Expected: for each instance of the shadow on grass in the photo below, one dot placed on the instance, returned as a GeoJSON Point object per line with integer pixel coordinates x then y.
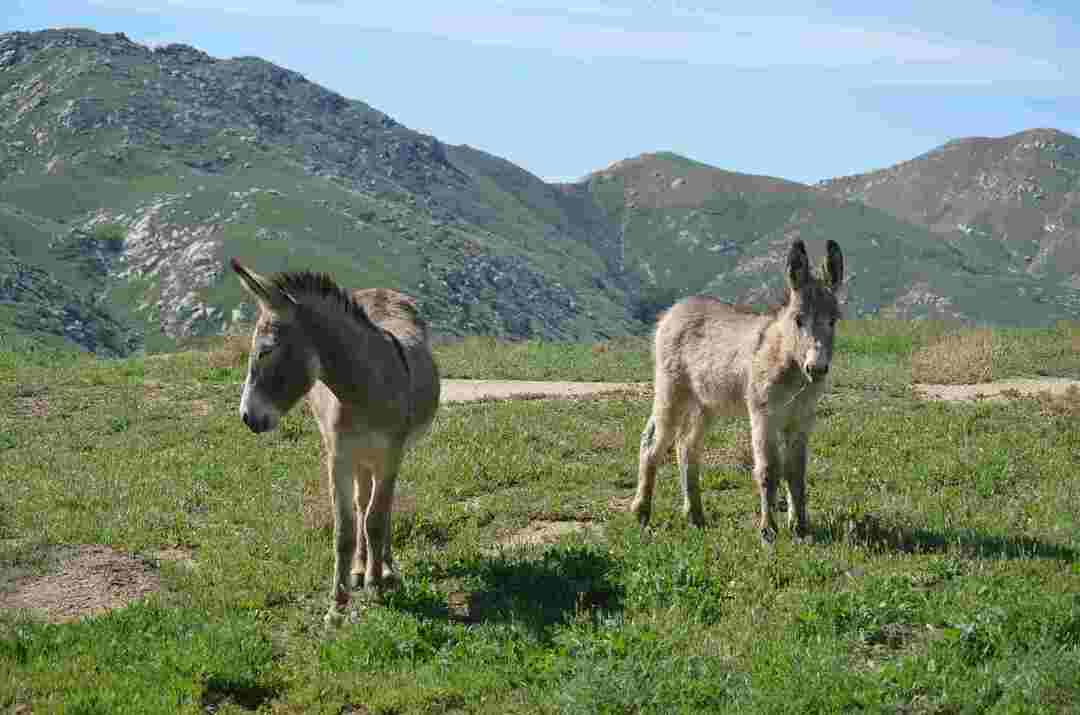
{"type": "Point", "coordinates": [875, 534]}
{"type": "Point", "coordinates": [522, 586]}
{"type": "Point", "coordinates": [245, 694]}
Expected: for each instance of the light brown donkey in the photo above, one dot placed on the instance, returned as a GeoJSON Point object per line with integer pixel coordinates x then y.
{"type": "Point", "coordinates": [364, 361]}
{"type": "Point", "coordinates": [713, 358]}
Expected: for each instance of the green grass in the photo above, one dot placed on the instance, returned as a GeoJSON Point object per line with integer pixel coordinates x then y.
{"type": "Point", "coordinates": [620, 360]}
{"type": "Point", "coordinates": [943, 578]}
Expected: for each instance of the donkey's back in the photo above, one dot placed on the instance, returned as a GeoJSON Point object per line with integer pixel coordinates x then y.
{"type": "Point", "coordinates": [397, 314]}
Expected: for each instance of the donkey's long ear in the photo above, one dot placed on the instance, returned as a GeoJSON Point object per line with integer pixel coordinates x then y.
{"type": "Point", "coordinates": [270, 297]}
{"type": "Point", "coordinates": [798, 266]}
{"type": "Point", "coordinates": [834, 264]}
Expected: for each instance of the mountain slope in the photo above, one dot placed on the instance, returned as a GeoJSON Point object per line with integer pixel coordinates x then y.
{"type": "Point", "coordinates": [687, 227]}
{"type": "Point", "coordinates": [129, 175]}
{"type": "Point", "coordinates": [1014, 200]}
{"type": "Point", "coordinates": [191, 159]}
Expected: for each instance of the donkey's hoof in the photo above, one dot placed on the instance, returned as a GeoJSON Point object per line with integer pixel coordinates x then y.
{"type": "Point", "coordinates": [334, 617]}
{"type": "Point", "coordinates": [356, 581]}
{"type": "Point", "coordinates": [390, 581]}
{"type": "Point", "coordinates": [642, 511]}
{"type": "Point", "coordinates": [695, 518]}
{"type": "Point", "coordinates": [768, 538]}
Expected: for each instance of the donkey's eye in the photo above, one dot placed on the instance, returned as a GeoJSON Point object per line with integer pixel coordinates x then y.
{"type": "Point", "coordinates": [798, 321]}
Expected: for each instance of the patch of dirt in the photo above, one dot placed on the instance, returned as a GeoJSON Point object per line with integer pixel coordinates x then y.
{"type": "Point", "coordinates": [175, 555]}
{"type": "Point", "coordinates": [999, 390]}
{"type": "Point", "coordinates": [479, 390]}
{"type": "Point", "coordinates": [32, 406]}
{"type": "Point", "coordinates": [91, 580]}
{"type": "Point", "coordinates": [542, 531]}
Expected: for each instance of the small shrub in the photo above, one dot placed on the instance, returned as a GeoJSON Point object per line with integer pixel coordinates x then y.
{"type": "Point", "coordinates": [956, 359]}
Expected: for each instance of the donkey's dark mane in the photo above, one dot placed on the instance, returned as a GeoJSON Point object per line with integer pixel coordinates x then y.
{"type": "Point", "coordinates": [320, 285]}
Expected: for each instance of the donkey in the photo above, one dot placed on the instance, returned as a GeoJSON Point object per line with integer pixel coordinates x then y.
{"type": "Point", "coordinates": [713, 358]}
{"type": "Point", "coordinates": [364, 361]}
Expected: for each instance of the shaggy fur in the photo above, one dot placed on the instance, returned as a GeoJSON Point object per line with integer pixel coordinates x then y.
{"type": "Point", "coordinates": [714, 358]}
{"type": "Point", "coordinates": [364, 361]}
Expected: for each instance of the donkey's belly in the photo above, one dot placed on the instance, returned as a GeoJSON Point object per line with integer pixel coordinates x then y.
{"type": "Point", "coordinates": [722, 396]}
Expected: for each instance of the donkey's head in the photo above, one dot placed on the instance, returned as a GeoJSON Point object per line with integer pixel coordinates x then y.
{"type": "Point", "coordinates": [811, 310]}
{"type": "Point", "coordinates": [283, 364]}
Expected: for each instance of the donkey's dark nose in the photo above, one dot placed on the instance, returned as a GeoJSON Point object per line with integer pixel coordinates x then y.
{"type": "Point", "coordinates": [817, 372]}
{"type": "Point", "coordinates": [255, 425]}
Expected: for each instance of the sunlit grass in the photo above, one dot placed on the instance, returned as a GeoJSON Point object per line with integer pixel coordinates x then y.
{"type": "Point", "coordinates": [943, 576]}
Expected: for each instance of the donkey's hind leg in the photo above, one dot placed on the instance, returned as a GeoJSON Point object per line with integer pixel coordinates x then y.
{"type": "Point", "coordinates": [656, 440]}
{"type": "Point", "coordinates": [688, 451]}
{"type": "Point", "coordinates": [364, 477]}
{"type": "Point", "coordinates": [377, 522]}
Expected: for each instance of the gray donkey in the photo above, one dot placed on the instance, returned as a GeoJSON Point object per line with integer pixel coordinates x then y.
{"type": "Point", "coordinates": [364, 361]}
{"type": "Point", "coordinates": [714, 358]}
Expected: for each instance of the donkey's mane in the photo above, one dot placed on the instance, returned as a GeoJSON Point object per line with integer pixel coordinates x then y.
{"type": "Point", "coordinates": [302, 284]}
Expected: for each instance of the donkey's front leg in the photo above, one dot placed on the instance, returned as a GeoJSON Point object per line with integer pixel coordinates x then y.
{"type": "Point", "coordinates": [795, 476]}
{"type": "Point", "coordinates": [767, 469]}
{"type": "Point", "coordinates": [342, 466]}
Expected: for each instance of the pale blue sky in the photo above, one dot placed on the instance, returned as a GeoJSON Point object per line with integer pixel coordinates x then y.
{"type": "Point", "coordinates": [802, 90]}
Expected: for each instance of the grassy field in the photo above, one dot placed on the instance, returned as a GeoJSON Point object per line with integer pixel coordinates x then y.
{"type": "Point", "coordinates": [943, 578]}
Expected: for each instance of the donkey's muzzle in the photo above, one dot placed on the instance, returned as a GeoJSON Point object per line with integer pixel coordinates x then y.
{"type": "Point", "coordinates": [817, 372]}
{"type": "Point", "coordinates": [256, 424]}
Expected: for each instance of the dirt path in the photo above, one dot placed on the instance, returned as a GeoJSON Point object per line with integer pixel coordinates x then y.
{"type": "Point", "coordinates": [469, 390]}
{"type": "Point", "coordinates": [999, 390]}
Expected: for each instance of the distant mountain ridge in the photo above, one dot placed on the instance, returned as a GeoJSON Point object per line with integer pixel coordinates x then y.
{"type": "Point", "coordinates": [1020, 191]}
{"type": "Point", "coordinates": [128, 176]}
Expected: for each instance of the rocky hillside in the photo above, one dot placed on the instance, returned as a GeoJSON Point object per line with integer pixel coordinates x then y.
{"type": "Point", "coordinates": [132, 174]}
{"type": "Point", "coordinates": [1011, 203]}
{"type": "Point", "coordinates": [129, 175]}
{"type": "Point", "coordinates": [686, 227]}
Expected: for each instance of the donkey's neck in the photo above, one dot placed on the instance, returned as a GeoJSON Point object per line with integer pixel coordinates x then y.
{"type": "Point", "coordinates": [352, 352]}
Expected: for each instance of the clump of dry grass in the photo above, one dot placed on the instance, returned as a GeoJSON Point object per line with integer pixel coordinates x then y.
{"type": "Point", "coordinates": [231, 351]}
{"type": "Point", "coordinates": [973, 355]}
{"type": "Point", "coordinates": [1071, 330]}
{"type": "Point", "coordinates": [315, 509]}
{"type": "Point", "coordinates": [735, 453]}
{"type": "Point", "coordinates": [963, 358]}
{"type": "Point", "coordinates": [1065, 404]}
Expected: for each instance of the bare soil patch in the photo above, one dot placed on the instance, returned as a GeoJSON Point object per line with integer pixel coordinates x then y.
{"type": "Point", "coordinates": [540, 532]}
{"type": "Point", "coordinates": [90, 580]}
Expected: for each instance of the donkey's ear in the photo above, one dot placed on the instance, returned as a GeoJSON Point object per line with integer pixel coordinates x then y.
{"type": "Point", "coordinates": [269, 295]}
{"type": "Point", "coordinates": [798, 266]}
{"type": "Point", "coordinates": [834, 264]}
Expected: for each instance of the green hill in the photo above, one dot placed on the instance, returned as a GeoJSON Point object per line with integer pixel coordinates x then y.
{"type": "Point", "coordinates": [129, 176]}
